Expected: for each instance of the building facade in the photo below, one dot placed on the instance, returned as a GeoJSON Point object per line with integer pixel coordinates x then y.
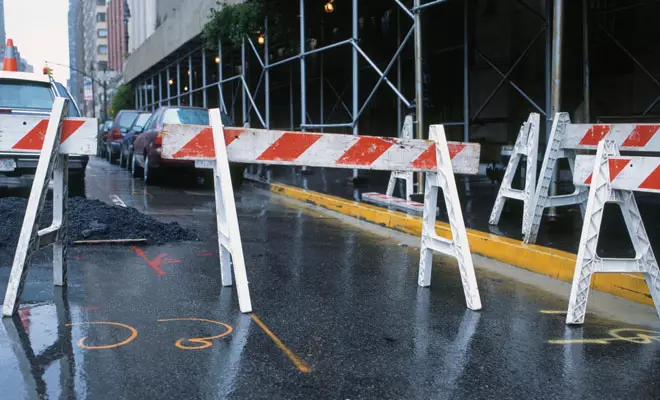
{"type": "Point", "coordinates": [95, 50]}
{"type": "Point", "coordinates": [3, 36]}
{"type": "Point", "coordinates": [142, 22]}
{"type": "Point", "coordinates": [117, 16]}
{"type": "Point", "coordinates": [74, 83]}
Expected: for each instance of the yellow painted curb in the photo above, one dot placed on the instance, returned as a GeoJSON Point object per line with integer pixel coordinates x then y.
{"type": "Point", "coordinates": [543, 260]}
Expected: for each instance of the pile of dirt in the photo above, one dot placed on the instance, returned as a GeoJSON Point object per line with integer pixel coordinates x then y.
{"type": "Point", "coordinates": [92, 220]}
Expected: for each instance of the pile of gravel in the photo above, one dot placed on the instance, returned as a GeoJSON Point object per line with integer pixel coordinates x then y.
{"type": "Point", "coordinates": [92, 220]}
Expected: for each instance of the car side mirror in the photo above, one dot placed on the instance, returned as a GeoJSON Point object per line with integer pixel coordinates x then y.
{"type": "Point", "coordinates": [138, 129]}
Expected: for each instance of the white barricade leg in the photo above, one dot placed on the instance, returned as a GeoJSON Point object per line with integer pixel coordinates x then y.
{"type": "Point", "coordinates": [527, 146]}
{"type": "Point", "coordinates": [28, 241]}
{"type": "Point", "coordinates": [458, 246]}
{"type": "Point", "coordinates": [406, 133]}
{"type": "Point", "coordinates": [542, 198]}
{"type": "Point", "coordinates": [588, 262]}
{"type": "Point", "coordinates": [229, 235]}
{"type": "Point", "coordinates": [60, 218]}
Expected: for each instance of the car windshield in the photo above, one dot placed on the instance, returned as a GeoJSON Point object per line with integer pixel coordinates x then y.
{"type": "Point", "coordinates": [25, 94]}
{"type": "Point", "coordinates": [126, 119]}
{"type": "Point", "coordinates": [141, 121]}
{"type": "Point", "coordinates": [73, 110]}
{"type": "Point", "coordinates": [186, 116]}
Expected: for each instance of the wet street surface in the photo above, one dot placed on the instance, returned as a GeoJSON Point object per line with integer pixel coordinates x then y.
{"type": "Point", "coordinates": [337, 315]}
{"type": "Point", "coordinates": [477, 199]}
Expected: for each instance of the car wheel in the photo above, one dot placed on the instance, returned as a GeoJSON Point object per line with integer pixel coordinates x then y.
{"type": "Point", "coordinates": [135, 168]}
{"type": "Point", "coordinates": [148, 173]}
{"type": "Point", "coordinates": [77, 184]}
{"type": "Point", "coordinates": [237, 172]}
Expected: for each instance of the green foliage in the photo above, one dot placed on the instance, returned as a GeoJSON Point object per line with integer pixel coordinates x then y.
{"type": "Point", "coordinates": [231, 22]}
{"type": "Point", "coordinates": [122, 99]}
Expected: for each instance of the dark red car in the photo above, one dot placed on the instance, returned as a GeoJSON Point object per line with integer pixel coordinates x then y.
{"type": "Point", "coordinates": [147, 162]}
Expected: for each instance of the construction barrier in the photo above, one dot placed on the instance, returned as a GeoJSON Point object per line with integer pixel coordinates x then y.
{"type": "Point", "coordinates": [55, 138]}
{"type": "Point", "coordinates": [566, 140]}
{"type": "Point", "coordinates": [614, 179]}
{"type": "Point", "coordinates": [256, 146]}
{"type": "Point", "coordinates": [526, 145]}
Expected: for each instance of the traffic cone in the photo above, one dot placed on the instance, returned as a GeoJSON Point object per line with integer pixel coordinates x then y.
{"type": "Point", "coordinates": [10, 64]}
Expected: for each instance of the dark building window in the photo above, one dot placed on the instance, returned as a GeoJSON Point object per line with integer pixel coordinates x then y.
{"type": "Point", "coordinates": [103, 33]}
{"type": "Point", "coordinates": [103, 66]}
{"type": "Point", "coordinates": [100, 2]}
{"type": "Point", "coordinates": [103, 49]}
{"type": "Point", "coordinates": [100, 17]}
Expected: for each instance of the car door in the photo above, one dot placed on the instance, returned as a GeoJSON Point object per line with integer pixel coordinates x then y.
{"type": "Point", "coordinates": [147, 136]}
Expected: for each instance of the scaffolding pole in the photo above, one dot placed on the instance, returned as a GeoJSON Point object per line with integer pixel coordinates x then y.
{"type": "Point", "coordinates": [267, 72]}
{"type": "Point", "coordinates": [419, 89]}
{"type": "Point", "coordinates": [356, 81]}
{"type": "Point", "coordinates": [585, 62]}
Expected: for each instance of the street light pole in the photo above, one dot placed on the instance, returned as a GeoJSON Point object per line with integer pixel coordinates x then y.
{"type": "Point", "coordinates": [104, 84]}
{"type": "Point", "coordinates": [91, 67]}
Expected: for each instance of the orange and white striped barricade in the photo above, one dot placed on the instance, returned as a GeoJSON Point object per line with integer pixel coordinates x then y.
{"type": "Point", "coordinates": [55, 138]}
{"type": "Point", "coordinates": [566, 141]}
{"type": "Point", "coordinates": [526, 145]}
{"type": "Point", "coordinates": [613, 179]}
{"type": "Point", "coordinates": [257, 146]}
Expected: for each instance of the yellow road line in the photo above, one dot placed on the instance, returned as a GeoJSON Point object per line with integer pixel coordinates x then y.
{"type": "Point", "coordinates": [552, 311]}
{"type": "Point", "coordinates": [554, 263]}
{"type": "Point", "coordinates": [297, 361]}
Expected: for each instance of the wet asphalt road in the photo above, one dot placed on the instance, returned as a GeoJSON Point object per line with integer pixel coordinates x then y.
{"type": "Point", "coordinates": [338, 315]}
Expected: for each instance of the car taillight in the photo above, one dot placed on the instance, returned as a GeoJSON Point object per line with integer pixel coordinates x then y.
{"type": "Point", "coordinates": [116, 133]}
{"type": "Point", "coordinates": [158, 141]}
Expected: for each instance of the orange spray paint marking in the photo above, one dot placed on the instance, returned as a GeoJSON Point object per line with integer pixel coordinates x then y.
{"type": "Point", "coordinates": [81, 342]}
{"type": "Point", "coordinates": [202, 342]}
{"type": "Point", "coordinates": [297, 361]}
{"type": "Point", "coordinates": [157, 262]}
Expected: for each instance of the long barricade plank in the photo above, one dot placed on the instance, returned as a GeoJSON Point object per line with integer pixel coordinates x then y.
{"type": "Point", "coordinates": [437, 157]}
{"type": "Point", "coordinates": [259, 146]}
{"type": "Point", "coordinates": [613, 179]}
{"type": "Point", "coordinates": [641, 174]}
{"type": "Point", "coordinates": [51, 164]}
{"type": "Point", "coordinates": [628, 137]}
{"type": "Point", "coordinates": [25, 134]}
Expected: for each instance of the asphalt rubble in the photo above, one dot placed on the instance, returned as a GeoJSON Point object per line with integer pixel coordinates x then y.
{"type": "Point", "coordinates": [91, 220]}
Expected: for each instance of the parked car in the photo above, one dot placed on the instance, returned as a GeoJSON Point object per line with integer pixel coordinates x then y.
{"type": "Point", "coordinates": [103, 138]}
{"type": "Point", "coordinates": [126, 151]}
{"type": "Point", "coordinates": [30, 94]}
{"type": "Point", "coordinates": [147, 162]}
{"type": "Point", "coordinates": [123, 121]}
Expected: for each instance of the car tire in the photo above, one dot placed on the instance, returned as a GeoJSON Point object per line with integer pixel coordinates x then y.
{"type": "Point", "coordinates": [149, 174]}
{"type": "Point", "coordinates": [122, 160]}
{"type": "Point", "coordinates": [237, 172]}
{"type": "Point", "coordinates": [135, 168]}
{"type": "Point", "coordinates": [77, 184]}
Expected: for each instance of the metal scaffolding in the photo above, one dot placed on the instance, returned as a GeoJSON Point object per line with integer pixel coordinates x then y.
{"type": "Point", "coordinates": [414, 14]}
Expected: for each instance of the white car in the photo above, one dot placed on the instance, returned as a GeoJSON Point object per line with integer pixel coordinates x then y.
{"type": "Point", "coordinates": [31, 94]}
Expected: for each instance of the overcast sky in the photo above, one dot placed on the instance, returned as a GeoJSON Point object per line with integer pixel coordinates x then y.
{"type": "Point", "coordinates": [40, 31]}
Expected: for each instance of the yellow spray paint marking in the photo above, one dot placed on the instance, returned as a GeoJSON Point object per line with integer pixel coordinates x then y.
{"type": "Point", "coordinates": [628, 335]}
{"type": "Point", "coordinates": [297, 361]}
{"type": "Point", "coordinates": [558, 312]}
{"type": "Point", "coordinates": [202, 342]}
{"type": "Point", "coordinates": [81, 342]}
